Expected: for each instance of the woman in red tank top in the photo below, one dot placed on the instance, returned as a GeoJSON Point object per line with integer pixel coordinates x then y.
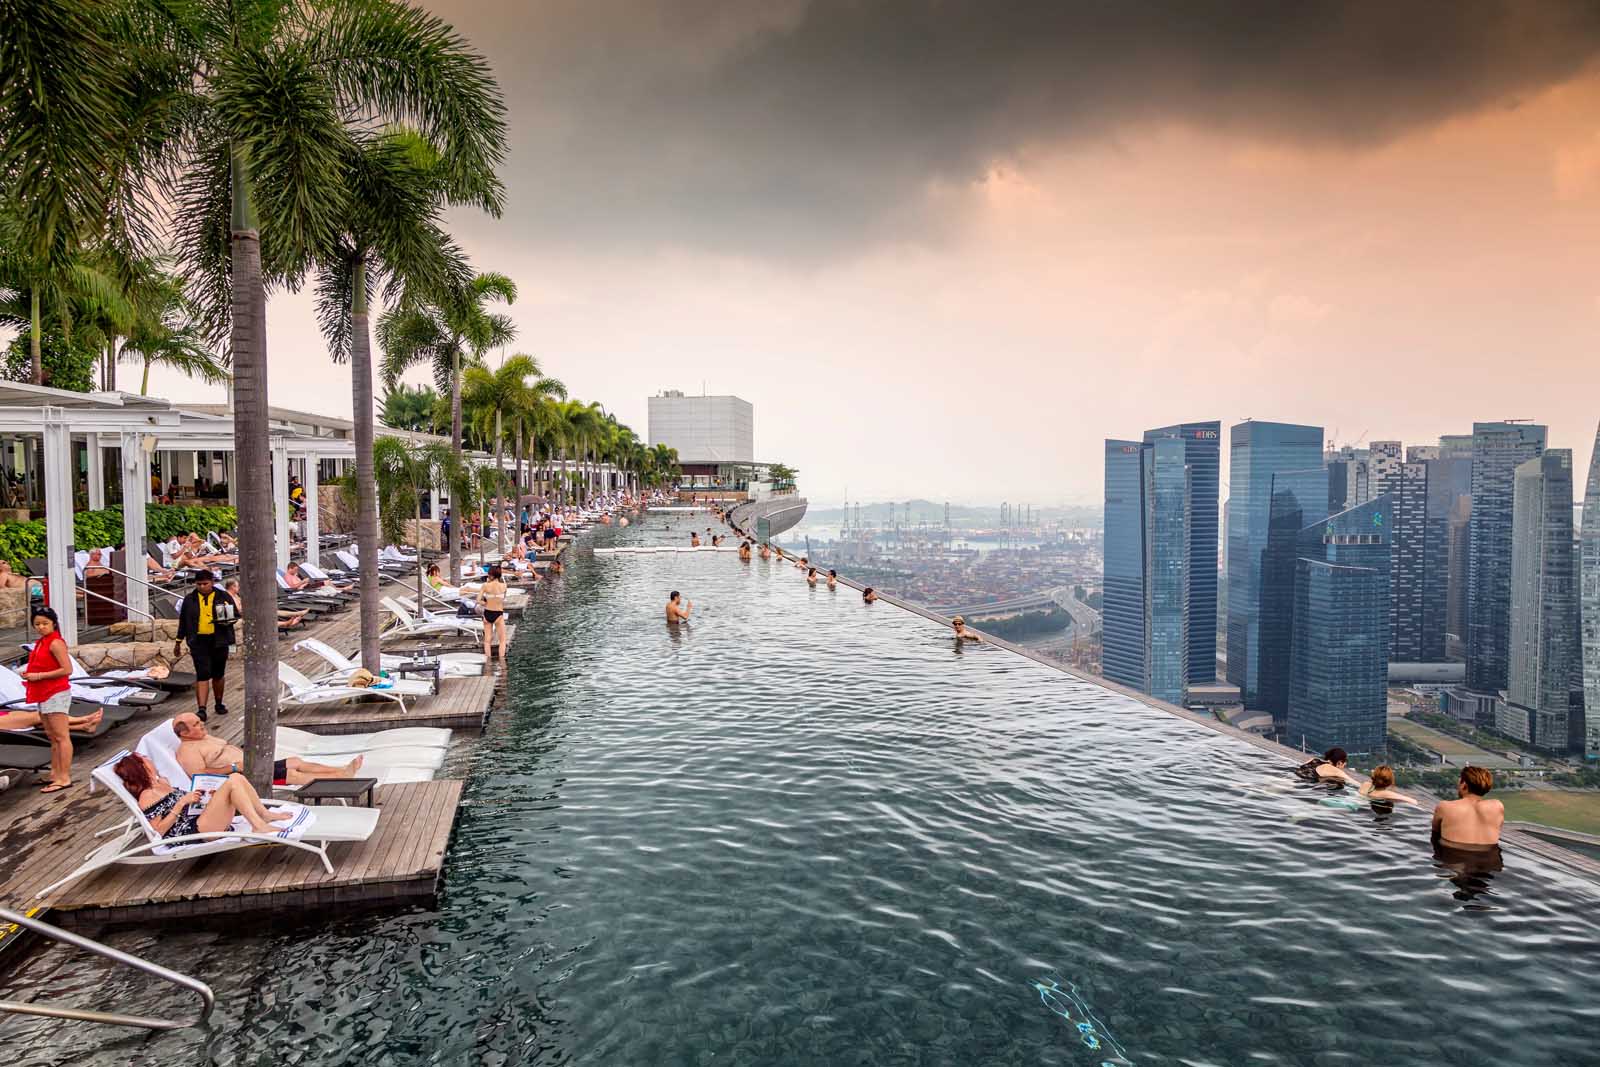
{"type": "Point", "coordinates": [47, 688]}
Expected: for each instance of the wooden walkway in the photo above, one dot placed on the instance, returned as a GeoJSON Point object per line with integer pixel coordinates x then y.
{"type": "Point", "coordinates": [42, 838]}
{"type": "Point", "coordinates": [401, 862]}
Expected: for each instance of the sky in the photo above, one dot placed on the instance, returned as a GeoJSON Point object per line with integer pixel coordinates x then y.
{"type": "Point", "coordinates": [945, 248]}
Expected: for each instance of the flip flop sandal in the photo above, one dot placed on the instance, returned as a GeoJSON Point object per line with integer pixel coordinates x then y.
{"type": "Point", "coordinates": [54, 788]}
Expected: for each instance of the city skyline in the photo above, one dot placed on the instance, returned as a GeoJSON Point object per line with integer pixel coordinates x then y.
{"type": "Point", "coordinates": [938, 286]}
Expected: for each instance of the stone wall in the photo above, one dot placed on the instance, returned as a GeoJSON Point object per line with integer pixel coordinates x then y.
{"type": "Point", "coordinates": [334, 515]}
{"type": "Point", "coordinates": [432, 540]}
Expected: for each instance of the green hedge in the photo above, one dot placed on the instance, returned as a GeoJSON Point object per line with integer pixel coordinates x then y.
{"type": "Point", "coordinates": [20, 541]}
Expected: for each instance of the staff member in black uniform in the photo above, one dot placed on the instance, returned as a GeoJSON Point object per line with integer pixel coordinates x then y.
{"type": "Point", "coordinates": [205, 620]}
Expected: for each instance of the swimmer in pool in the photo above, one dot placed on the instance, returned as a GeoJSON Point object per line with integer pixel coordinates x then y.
{"type": "Point", "coordinates": [744, 551]}
{"type": "Point", "coordinates": [1381, 787]}
{"type": "Point", "coordinates": [833, 579]}
{"type": "Point", "coordinates": [869, 595]}
{"type": "Point", "coordinates": [677, 608]}
{"type": "Point", "coordinates": [1328, 768]}
{"type": "Point", "coordinates": [766, 550]}
{"type": "Point", "coordinates": [959, 625]}
{"type": "Point", "coordinates": [1472, 821]}
{"type": "Point", "coordinates": [811, 577]}
{"type": "Point", "coordinates": [694, 540]}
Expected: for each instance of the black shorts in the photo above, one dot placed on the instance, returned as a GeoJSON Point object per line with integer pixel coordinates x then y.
{"type": "Point", "coordinates": [210, 657]}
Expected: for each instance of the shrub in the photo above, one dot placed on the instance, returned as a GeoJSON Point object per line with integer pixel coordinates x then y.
{"type": "Point", "coordinates": [20, 541]}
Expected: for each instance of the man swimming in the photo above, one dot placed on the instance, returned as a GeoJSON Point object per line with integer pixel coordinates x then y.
{"type": "Point", "coordinates": [677, 608]}
{"type": "Point", "coordinates": [744, 551]}
{"type": "Point", "coordinates": [694, 540]}
{"type": "Point", "coordinates": [1471, 821]}
{"type": "Point", "coordinates": [766, 550]}
{"type": "Point", "coordinates": [869, 595]}
{"type": "Point", "coordinates": [833, 579]}
{"type": "Point", "coordinates": [959, 625]}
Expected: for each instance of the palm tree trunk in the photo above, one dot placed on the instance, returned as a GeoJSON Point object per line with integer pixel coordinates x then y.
{"type": "Point", "coordinates": [35, 326]}
{"type": "Point", "coordinates": [253, 462]}
{"type": "Point", "coordinates": [144, 387]}
{"type": "Point", "coordinates": [421, 604]}
{"type": "Point", "coordinates": [458, 527]}
{"type": "Point", "coordinates": [367, 547]}
{"type": "Point", "coordinates": [500, 507]}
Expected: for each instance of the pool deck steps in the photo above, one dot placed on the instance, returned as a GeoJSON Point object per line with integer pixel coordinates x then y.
{"type": "Point", "coordinates": [42, 838]}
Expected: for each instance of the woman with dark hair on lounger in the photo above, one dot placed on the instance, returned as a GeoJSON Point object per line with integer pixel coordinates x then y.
{"type": "Point", "coordinates": [173, 813]}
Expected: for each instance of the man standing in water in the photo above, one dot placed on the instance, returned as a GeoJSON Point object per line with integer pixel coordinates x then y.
{"type": "Point", "coordinates": [677, 608]}
{"type": "Point", "coordinates": [959, 625]}
{"type": "Point", "coordinates": [1470, 822]}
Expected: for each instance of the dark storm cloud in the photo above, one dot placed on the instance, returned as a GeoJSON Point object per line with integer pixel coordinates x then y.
{"type": "Point", "coordinates": [807, 127]}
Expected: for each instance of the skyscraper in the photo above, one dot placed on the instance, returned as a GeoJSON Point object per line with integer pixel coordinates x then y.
{"type": "Point", "coordinates": [1157, 492]}
{"type": "Point", "coordinates": [1589, 606]}
{"type": "Point", "coordinates": [1544, 654]}
{"type": "Point", "coordinates": [1299, 499]}
{"type": "Point", "coordinates": [1202, 447]}
{"type": "Point", "coordinates": [1167, 598]}
{"type": "Point", "coordinates": [1339, 672]}
{"type": "Point", "coordinates": [1257, 451]}
{"type": "Point", "coordinates": [1444, 551]}
{"type": "Point", "coordinates": [1406, 486]}
{"type": "Point", "coordinates": [1122, 610]}
{"type": "Point", "coordinates": [1498, 448]}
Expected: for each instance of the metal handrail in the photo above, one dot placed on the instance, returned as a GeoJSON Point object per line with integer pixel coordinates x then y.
{"type": "Point", "coordinates": [112, 600]}
{"type": "Point", "coordinates": [208, 999]}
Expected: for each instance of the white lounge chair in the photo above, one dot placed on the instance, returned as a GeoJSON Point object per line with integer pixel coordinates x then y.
{"type": "Point", "coordinates": [138, 842]}
{"type": "Point", "coordinates": [451, 664]}
{"type": "Point", "coordinates": [124, 692]}
{"type": "Point", "coordinates": [340, 670]}
{"type": "Point", "coordinates": [301, 692]}
{"type": "Point", "coordinates": [414, 764]}
{"type": "Point", "coordinates": [307, 745]}
{"type": "Point", "coordinates": [406, 624]}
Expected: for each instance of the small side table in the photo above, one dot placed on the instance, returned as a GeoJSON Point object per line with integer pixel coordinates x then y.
{"type": "Point", "coordinates": [337, 789]}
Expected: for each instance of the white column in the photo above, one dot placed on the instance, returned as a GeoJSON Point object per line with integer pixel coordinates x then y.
{"type": "Point", "coordinates": [135, 489]}
{"type": "Point", "coordinates": [97, 473]}
{"type": "Point", "coordinates": [280, 498]}
{"type": "Point", "coordinates": [58, 521]}
{"type": "Point", "coordinates": [313, 516]}
{"type": "Point", "coordinates": [433, 504]}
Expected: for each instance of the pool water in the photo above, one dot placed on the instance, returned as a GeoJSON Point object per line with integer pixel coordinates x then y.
{"type": "Point", "coordinates": [801, 829]}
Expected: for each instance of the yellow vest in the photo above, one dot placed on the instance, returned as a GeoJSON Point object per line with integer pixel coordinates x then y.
{"type": "Point", "coordinates": [204, 624]}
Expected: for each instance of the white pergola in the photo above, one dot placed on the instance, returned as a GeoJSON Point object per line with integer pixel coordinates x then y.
{"type": "Point", "coordinates": [137, 427]}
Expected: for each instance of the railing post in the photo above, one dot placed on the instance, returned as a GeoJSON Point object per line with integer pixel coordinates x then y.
{"type": "Point", "coordinates": [135, 469]}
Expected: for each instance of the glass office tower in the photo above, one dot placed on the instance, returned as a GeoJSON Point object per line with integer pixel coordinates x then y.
{"type": "Point", "coordinates": [1406, 485]}
{"type": "Point", "coordinates": [1498, 449]}
{"type": "Point", "coordinates": [1256, 452]}
{"type": "Point", "coordinates": [1122, 610]}
{"type": "Point", "coordinates": [1589, 605]}
{"type": "Point", "coordinates": [1449, 508]}
{"type": "Point", "coordinates": [1202, 451]}
{"type": "Point", "coordinates": [1299, 500]}
{"type": "Point", "coordinates": [1167, 599]}
{"type": "Point", "coordinates": [1544, 654]}
{"type": "Point", "coordinates": [1339, 675]}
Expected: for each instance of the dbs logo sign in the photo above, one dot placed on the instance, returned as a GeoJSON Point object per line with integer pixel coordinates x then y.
{"type": "Point", "coordinates": [1206, 435]}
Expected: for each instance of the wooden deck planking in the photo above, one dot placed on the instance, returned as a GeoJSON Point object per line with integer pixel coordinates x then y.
{"type": "Point", "coordinates": [45, 837]}
{"type": "Point", "coordinates": [383, 868]}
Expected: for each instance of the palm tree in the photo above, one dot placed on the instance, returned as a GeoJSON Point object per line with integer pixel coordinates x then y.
{"type": "Point", "coordinates": [164, 334]}
{"type": "Point", "coordinates": [391, 232]}
{"type": "Point", "coordinates": [405, 407]}
{"type": "Point", "coordinates": [492, 394]}
{"type": "Point", "coordinates": [533, 424]}
{"type": "Point", "coordinates": [404, 474]}
{"type": "Point", "coordinates": [446, 329]}
{"type": "Point", "coordinates": [267, 143]}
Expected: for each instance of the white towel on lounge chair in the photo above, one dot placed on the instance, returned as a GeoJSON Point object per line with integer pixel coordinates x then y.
{"type": "Point", "coordinates": [416, 764]}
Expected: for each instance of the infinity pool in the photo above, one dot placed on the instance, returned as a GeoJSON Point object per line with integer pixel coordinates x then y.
{"type": "Point", "coordinates": [806, 830]}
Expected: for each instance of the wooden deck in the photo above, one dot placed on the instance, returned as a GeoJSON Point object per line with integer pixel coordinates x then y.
{"type": "Point", "coordinates": [402, 862]}
{"type": "Point", "coordinates": [42, 838]}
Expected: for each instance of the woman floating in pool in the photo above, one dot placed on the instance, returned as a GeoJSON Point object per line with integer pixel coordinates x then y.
{"type": "Point", "coordinates": [1328, 768]}
{"type": "Point", "coordinates": [1380, 790]}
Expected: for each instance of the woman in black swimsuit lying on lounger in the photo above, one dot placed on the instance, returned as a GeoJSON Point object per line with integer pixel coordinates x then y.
{"type": "Point", "coordinates": [173, 813]}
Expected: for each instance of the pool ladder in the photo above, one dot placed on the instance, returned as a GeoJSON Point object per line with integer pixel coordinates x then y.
{"type": "Point", "coordinates": [208, 999]}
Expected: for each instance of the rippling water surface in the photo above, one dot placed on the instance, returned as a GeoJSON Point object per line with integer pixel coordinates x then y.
{"type": "Point", "coordinates": [806, 830]}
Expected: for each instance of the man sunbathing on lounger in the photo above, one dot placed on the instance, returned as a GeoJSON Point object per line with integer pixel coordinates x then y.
{"type": "Point", "coordinates": [200, 753]}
